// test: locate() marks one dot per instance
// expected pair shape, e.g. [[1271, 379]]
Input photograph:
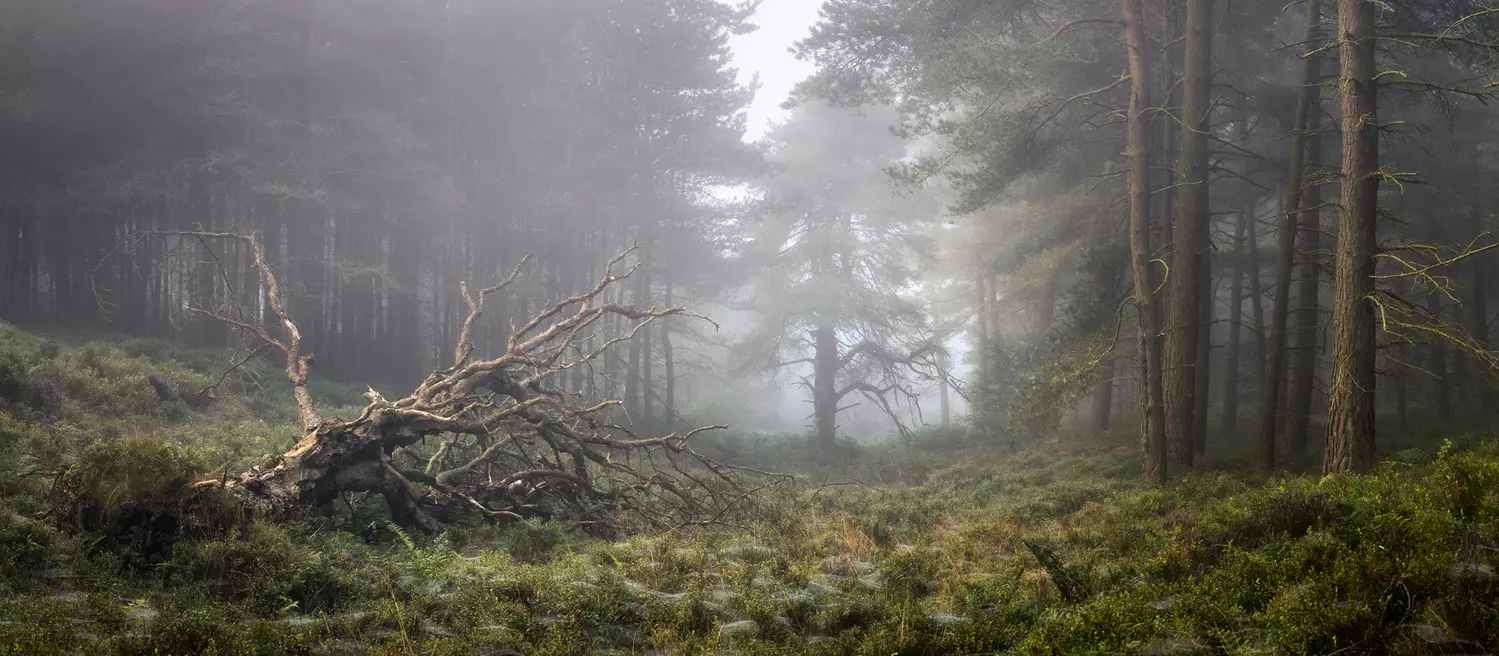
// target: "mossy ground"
[[938, 545]]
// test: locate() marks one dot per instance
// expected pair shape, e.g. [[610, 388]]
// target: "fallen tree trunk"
[[512, 445]]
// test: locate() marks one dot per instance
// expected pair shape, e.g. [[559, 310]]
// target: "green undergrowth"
[[59, 397], [936, 544]]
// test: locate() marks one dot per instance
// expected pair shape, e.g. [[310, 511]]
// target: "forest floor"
[[938, 544]]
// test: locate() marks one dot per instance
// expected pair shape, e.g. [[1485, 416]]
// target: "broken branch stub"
[[514, 445]]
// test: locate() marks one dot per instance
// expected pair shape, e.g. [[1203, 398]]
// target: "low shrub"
[[263, 565], [912, 573], [46, 396], [135, 497], [15, 381], [25, 545], [534, 540]]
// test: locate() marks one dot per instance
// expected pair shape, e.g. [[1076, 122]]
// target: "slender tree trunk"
[[1165, 184], [1457, 314], [1402, 386], [824, 387], [647, 360], [1436, 366], [1231, 367], [1103, 401], [1208, 293], [1256, 300], [1137, 152], [1479, 315], [1046, 311], [1350, 439], [995, 320], [668, 360], [618, 366], [984, 346], [632, 369], [1436, 349], [1180, 367], [1311, 71], [1170, 122], [943, 397], [1308, 337]]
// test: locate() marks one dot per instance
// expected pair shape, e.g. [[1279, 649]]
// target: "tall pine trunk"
[[1137, 151], [1276, 342], [1180, 364], [1350, 437], [1233, 357]]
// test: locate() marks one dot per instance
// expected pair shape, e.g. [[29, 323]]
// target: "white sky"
[[765, 51]]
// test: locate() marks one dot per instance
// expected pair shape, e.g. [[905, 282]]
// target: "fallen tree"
[[511, 445]]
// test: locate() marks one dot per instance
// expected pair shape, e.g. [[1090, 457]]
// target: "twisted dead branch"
[[511, 444]]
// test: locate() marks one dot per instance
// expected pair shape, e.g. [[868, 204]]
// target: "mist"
[[786, 325]]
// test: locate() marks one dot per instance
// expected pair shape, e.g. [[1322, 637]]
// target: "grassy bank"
[[938, 545]]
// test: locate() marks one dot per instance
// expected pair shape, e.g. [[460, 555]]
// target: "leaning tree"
[[505, 440]]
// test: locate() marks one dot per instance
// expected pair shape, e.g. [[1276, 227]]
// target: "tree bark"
[[1169, 121], [1295, 190], [1350, 439], [1180, 366], [1137, 152]]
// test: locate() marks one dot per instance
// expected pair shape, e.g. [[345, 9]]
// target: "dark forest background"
[[384, 151]]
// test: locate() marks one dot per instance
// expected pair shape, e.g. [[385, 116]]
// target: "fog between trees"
[[1224, 222], [481, 327]]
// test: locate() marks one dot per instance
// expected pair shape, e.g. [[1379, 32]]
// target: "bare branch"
[[465, 347], [290, 344]]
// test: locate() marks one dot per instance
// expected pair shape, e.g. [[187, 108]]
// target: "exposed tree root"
[[512, 445]]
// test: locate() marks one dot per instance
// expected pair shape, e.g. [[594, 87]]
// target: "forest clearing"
[[748, 327]]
